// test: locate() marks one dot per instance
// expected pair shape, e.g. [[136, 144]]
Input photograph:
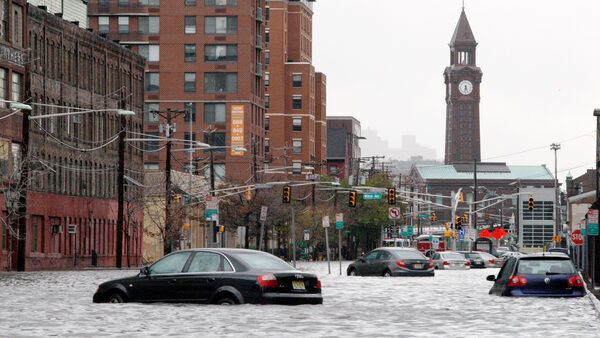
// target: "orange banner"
[[237, 129]]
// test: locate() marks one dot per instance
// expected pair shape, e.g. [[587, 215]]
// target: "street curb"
[[592, 296]]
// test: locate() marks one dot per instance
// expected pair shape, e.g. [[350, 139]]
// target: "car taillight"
[[401, 264], [268, 281], [430, 263], [318, 284], [517, 281], [446, 263], [492, 261], [575, 281], [468, 263]]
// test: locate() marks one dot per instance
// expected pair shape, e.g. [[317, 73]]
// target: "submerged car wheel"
[[387, 273], [115, 297], [352, 272], [225, 301]]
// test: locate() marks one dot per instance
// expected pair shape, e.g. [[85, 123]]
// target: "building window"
[[267, 79], [190, 110], [296, 102], [151, 166], [3, 87], [267, 101], [220, 82], [267, 13], [297, 80], [296, 168], [149, 24], [123, 24], [189, 144], [189, 85], [17, 79], [220, 2], [333, 170], [267, 35], [220, 53], [296, 124], [190, 24], [123, 2], [103, 2], [17, 25], [149, 2], [151, 145], [267, 57], [297, 146], [150, 52], [267, 123], [152, 82], [149, 110], [190, 2], [190, 53], [215, 113], [220, 25], [4, 20], [218, 140], [103, 24]]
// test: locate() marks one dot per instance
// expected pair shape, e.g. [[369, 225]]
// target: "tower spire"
[[462, 32]]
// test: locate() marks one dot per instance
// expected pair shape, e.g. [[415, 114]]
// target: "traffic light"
[[462, 197], [248, 194], [458, 223], [176, 198], [352, 199], [487, 217], [447, 226], [287, 194], [433, 217], [222, 228], [530, 205], [391, 195], [466, 218]]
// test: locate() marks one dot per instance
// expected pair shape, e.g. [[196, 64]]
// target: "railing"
[[259, 41], [114, 8], [259, 69], [259, 14]]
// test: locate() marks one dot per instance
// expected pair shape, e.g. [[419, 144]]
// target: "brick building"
[[205, 57], [295, 92], [73, 158]]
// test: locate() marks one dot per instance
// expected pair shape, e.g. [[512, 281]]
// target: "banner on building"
[[237, 129]]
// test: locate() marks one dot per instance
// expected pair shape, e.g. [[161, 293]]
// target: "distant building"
[[493, 180], [71, 10], [343, 149]]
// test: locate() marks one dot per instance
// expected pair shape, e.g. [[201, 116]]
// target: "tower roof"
[[462, 33]]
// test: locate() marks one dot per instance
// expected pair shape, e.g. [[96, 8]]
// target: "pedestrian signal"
[[248, 194], [352, 199], [391, 195], [287, 194], [530, 205], [462, 197], [222, 228]]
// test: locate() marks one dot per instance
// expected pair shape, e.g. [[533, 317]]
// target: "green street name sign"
[[372, 196]]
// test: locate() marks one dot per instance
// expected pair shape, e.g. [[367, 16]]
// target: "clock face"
[[465, 87]]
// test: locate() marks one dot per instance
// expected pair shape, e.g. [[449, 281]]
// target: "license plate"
[[298, 285], [417, 266], [456, 264]]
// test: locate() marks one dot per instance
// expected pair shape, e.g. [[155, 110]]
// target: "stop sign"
[[576, 237]]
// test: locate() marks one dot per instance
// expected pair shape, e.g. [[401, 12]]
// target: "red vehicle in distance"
[[425, 243]]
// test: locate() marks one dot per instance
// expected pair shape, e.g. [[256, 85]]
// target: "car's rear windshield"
[[545, 266], [408, 254], [263, 261], [453, 255], [470, 255]]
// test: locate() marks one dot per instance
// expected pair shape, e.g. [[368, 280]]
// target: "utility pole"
[[556, 147], [120, 185], [168, 245], [212, 232], [592, 255], [474, 216]]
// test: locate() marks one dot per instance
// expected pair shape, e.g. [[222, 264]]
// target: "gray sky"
[[384, 61]]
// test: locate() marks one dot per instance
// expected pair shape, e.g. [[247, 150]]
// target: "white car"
[[449, 260]]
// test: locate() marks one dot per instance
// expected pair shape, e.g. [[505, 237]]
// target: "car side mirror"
[[491, 278], [145, 271], [362, 260]]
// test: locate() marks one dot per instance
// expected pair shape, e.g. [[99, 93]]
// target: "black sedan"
[[215, 276], [540, 275], [392, 262], [475, 259]]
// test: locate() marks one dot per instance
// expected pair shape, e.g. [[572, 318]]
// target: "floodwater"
[[452, 304]]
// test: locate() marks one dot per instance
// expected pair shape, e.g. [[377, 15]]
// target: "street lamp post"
[[556, 147], [593, 253]]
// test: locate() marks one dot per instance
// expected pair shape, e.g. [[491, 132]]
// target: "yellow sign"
[[447, 234], [186, 226], [237, 129], [4, 149]]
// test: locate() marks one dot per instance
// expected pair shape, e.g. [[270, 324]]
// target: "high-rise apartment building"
[[295, 93], [205, 57]]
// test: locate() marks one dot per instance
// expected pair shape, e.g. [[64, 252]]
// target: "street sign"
[[583, 232], [372, 196], [592, 227], [214, 217], [435, 243], [576, 237], [325, 221], [394, 213], [426, 216], [263, 213], [339, 220], [461, 235], [212, 207], [306, 235], [410, 230], [404, 231]]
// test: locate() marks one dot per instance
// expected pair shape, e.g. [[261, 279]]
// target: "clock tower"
[[462, 80]]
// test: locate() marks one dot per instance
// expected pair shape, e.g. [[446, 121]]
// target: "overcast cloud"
[[384, 61]]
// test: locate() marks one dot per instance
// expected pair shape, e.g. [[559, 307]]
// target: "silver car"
[[449, 260], [490, 260]]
